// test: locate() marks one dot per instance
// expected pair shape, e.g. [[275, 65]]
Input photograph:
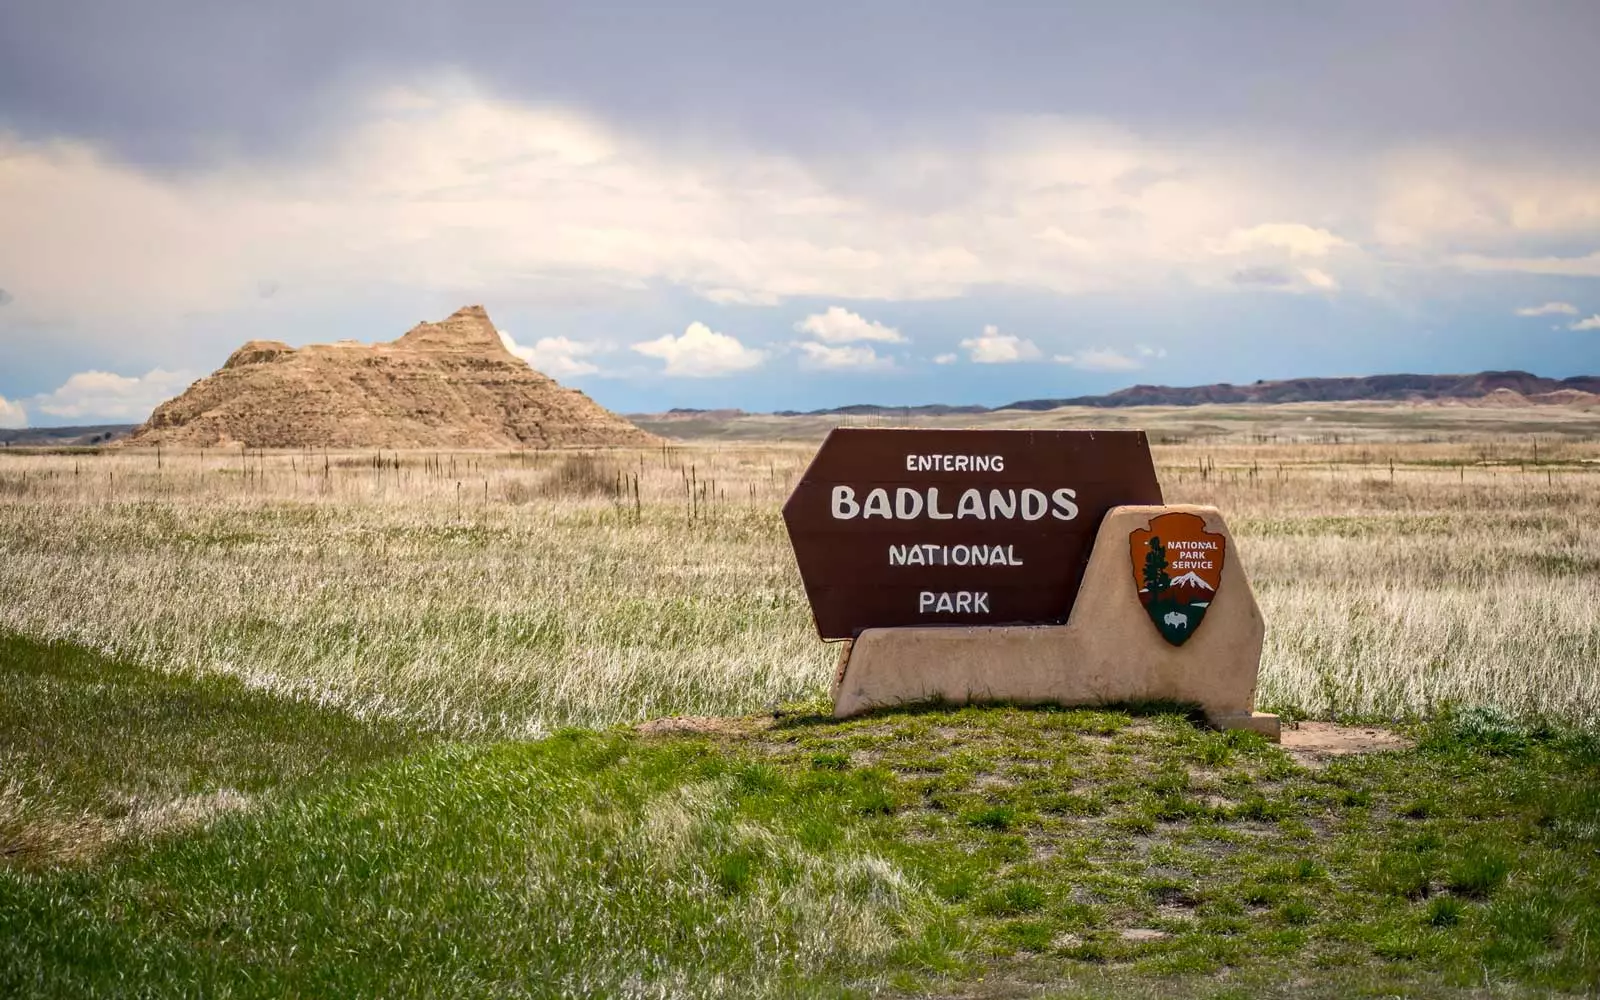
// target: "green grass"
[[984, 852], [91, 747], [582, 865]]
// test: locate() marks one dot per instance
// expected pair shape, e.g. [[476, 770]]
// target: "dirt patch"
[[1143, 934], [1311, 743], [705, 725], [989, 780], [47, 839]]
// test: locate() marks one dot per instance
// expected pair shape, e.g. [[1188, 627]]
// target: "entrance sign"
[[1177, 566], [952, 527], [1106, 652]]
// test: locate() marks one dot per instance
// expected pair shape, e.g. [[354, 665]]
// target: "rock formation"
[[450, 384]]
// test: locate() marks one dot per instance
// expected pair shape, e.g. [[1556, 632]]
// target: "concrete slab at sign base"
[[1108, 651]]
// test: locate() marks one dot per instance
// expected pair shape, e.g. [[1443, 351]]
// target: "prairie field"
[[369, 723], [517, 593]]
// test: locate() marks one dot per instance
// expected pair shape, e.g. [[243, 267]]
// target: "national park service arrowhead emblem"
[[1177, 567]]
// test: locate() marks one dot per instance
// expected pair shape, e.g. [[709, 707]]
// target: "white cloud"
[[1268, 257], [701, 352], [739, 297], [1298, 239], [1587, 266], [1318, 278], [12, 415], [823, 357], [1592, 323], [944, 359], [557, 357], [1101, 359], [473, 198], [458, 195], [995, 348], [841, 326], [1442, 197], [1549, 309], [1152, 352], [96, 396]]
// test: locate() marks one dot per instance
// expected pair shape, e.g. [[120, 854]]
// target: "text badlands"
[[909, 504]]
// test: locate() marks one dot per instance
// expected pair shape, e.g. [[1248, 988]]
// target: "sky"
[[796, 206]]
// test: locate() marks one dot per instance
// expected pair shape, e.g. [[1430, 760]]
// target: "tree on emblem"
[[1156, 580], [1174, 620]]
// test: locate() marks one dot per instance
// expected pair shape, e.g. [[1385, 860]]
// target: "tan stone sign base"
[[1107, 652]]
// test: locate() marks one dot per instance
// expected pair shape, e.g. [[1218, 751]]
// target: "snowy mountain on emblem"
[[1191, 579]]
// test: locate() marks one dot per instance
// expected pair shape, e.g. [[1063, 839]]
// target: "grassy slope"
[[92, 749], [975, 851]]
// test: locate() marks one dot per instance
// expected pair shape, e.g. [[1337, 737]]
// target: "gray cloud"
[[1271, 277], [5, 297], [173, 80]]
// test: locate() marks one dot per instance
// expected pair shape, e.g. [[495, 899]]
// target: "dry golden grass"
[[1400, 568]]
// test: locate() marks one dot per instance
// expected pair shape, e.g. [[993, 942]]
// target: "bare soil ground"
[[1313, 743]]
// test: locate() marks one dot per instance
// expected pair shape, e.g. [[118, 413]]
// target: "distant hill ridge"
[[1506, 388], [1399, 388], [63, 437]]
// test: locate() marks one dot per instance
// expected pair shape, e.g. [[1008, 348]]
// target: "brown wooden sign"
[[946, 527]]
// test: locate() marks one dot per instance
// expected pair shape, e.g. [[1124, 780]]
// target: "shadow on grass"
[[94, 738], [799, 716]]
